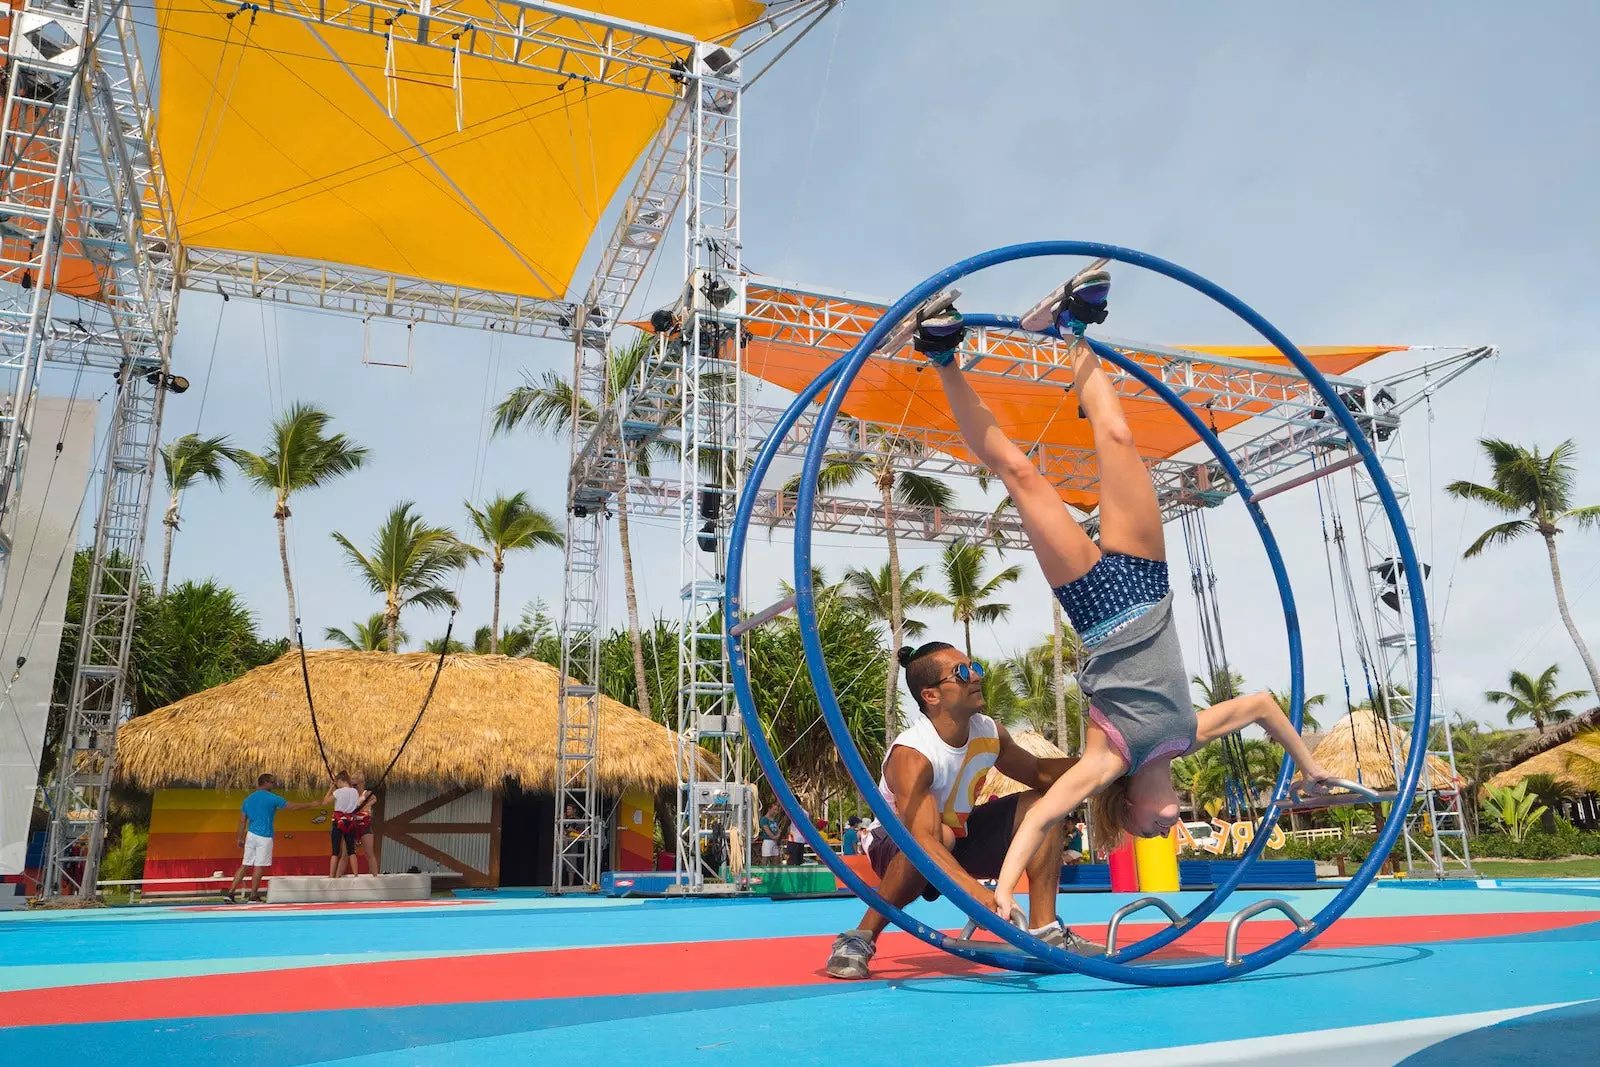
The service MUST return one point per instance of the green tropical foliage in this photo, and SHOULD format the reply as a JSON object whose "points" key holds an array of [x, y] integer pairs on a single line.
{"points": [[971, 595], [198, 636], [1535, 699], [1308, 714], [124, 860], [407, 564], [509, 524], [301, 455], [547, 404], [1536, 487], [185, 461], [1514, 809], [369, 636]]}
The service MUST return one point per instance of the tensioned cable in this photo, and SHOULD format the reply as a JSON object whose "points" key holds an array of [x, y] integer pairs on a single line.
{"points": [[427, 157]]}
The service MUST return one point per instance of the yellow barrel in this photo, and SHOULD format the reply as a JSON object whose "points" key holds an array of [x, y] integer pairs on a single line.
{"points": [[1157, 860]]}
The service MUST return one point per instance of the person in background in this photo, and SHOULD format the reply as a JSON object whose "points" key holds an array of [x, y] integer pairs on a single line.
{"points": [[345, 799], [796, 845], [850, 840], [256, 815], [770, 829], [1075, 844], [361, 826]]}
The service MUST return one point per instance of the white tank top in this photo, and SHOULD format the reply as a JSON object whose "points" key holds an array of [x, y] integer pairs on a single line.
{"points": [[346, 799], [958, 773]]}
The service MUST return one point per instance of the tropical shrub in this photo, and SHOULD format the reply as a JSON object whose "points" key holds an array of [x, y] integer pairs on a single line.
{"points": [[1514, 809]]}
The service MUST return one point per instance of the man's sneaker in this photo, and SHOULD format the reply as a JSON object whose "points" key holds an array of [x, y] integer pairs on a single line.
{"points": [[852, 952], [1080, 302], [939, 336], [1058, 935], [229, 898]]}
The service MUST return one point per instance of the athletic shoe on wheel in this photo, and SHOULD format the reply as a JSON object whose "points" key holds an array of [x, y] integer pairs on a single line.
{"points": [[938, 337], [1058, 935], [852, 952], [1079, 303]]}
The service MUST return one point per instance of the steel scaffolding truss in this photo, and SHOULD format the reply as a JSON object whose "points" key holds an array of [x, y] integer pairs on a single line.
{"points": [[112, 200]]}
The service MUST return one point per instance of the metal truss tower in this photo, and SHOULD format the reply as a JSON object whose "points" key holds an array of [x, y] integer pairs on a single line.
{"points": [[1435, 832], [711, 427], [81, 186]]}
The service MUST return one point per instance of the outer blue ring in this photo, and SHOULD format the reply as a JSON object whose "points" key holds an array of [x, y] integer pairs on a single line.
{"points": [[844, 372]]}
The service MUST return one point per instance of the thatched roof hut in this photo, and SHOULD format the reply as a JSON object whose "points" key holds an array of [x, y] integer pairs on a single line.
{"points": [[1558, 734], [1557, 763], [491, 718], [999, 785], [1362, 747]]}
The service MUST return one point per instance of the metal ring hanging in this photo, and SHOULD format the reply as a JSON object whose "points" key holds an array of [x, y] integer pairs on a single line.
{"points": [[841, 374]]}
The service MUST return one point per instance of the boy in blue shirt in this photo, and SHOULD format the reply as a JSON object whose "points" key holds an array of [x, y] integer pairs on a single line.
{"points": [[852, 837], [255, 834]]}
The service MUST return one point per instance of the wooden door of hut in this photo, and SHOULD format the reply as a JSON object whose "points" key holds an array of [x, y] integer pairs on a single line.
{"points": [[429, 829]]}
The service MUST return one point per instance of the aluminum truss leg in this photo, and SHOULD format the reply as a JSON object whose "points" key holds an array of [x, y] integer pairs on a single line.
{"points": [[44, 65], [713, 427], [578, 818], [1436, 830]]}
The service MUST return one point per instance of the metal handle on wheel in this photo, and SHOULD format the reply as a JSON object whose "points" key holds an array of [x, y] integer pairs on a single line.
{"points": [[1251, 912], [1137, 906], [972, 927]]}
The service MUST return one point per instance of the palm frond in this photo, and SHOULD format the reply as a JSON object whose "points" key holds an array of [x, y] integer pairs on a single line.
{"points": [[1499, 535]]}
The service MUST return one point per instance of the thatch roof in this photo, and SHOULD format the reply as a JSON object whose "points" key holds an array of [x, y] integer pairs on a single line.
{"points": [[996, 784], [1363, 742], [491, 718], [1554, 762], [1559, 734]]}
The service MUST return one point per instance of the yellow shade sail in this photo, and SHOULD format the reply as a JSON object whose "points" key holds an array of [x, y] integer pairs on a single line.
{"points": [[277, 139]]}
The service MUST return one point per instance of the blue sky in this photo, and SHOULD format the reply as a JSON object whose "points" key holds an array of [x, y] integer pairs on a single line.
{"points": [[1419, 173]]}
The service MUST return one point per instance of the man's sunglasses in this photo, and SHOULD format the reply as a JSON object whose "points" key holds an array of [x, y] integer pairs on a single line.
{"points": [[964, 672]]}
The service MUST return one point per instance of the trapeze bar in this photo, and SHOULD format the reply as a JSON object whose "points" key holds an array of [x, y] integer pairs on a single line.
{"points": [[1301, 923], [765, 615], [1133, 908], [908, 326], [1294, 483], [1354, 793]]}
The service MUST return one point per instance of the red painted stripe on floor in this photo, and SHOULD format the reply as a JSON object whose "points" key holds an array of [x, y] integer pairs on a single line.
{"points": [[634, 969]]}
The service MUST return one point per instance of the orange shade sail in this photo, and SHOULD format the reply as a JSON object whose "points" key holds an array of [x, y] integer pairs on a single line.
{"points": [[1034, 411]]}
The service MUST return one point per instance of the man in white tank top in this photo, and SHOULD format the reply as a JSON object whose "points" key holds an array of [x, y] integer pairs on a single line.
{"points": [[932, 775]]}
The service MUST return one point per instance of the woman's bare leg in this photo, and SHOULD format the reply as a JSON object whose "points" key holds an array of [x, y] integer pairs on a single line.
{"points": [[1130, 518], [1064, 551]]}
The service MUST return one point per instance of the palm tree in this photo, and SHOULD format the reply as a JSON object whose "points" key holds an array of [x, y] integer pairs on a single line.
{"points": [[1479, 753], [515, 642], [369, 636], [1535, 699], [548, 404], [1222, 685], [510, 524], [301, 455], [408, 559], [876, 596], [971, 596], [896, 487], [1308, 718], [187, 460], [1527, 481]]}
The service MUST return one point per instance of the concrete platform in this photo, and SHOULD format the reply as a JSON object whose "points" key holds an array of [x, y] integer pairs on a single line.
{"points": [[319, 889]]}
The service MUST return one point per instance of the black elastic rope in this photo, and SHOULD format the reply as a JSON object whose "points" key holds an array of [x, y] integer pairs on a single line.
{"points": [[444, 648], [305, 676]]}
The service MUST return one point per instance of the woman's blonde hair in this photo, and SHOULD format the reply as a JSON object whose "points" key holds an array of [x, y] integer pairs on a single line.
{"points": [[1108, 814]]}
